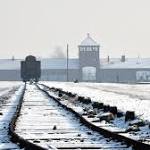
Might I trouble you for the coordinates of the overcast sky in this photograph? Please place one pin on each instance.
(41, 27)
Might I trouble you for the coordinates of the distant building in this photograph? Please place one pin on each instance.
(88, 67)
(89, 62)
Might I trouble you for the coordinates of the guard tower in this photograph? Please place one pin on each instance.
(89, 62)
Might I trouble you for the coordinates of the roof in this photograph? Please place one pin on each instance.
(57, 63)
(61, 63)
(130, 63)
(8, 64)
(88, 41)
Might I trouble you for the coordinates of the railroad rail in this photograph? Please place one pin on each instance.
(43, 123)
(68, 100)
(8, 106)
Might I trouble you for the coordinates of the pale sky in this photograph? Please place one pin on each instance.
(41, 27)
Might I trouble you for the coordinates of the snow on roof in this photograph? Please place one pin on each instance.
(8, 64)
(129, 63)
(88, 41)
(57, 63)
(61, 63)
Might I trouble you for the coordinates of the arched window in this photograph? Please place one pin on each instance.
(89, 73)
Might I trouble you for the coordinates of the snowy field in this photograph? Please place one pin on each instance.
(135, 97)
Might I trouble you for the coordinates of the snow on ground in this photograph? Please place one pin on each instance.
(5, 86)
(68, 132)
(124, 96)
(8, 102)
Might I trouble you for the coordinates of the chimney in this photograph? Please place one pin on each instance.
(108, 59)
(13, 58)
(123, 58)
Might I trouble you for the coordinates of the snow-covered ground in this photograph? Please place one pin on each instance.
(59, 128)
(5, 86)
(9, 99)
(124, 96)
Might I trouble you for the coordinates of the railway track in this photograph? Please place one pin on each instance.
(43, 120)
(8, 106)
(84, 108)
(43, 123)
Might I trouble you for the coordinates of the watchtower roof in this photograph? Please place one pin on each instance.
(88, 41)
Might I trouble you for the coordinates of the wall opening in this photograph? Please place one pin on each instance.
(89, 73)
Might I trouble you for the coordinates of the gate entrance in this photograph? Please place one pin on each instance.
(89, 73)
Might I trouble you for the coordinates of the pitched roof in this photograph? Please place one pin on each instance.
(55, 63)
(88, 41)
(61, 63)
(130, 63)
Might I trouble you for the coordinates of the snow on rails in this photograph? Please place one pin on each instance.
(43, 122)
(134, 131)
(8, 106)
(49, 118)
